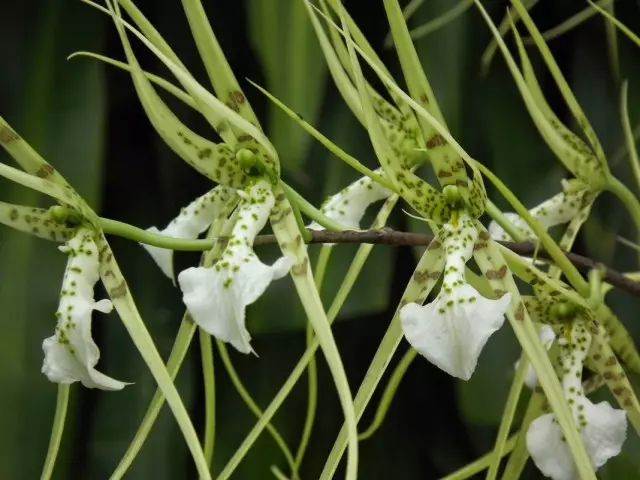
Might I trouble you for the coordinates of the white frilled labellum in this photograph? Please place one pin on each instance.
(217, 296)
(546, 336)
(559, 209)
(452, 330)
(602, 427)
(70, 355)
(194, 219)
(348, 206)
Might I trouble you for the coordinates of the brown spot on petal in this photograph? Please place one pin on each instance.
(7, 135)
(421, 277)
(119, 291)
(45, 171)
(300, 268)
(436, 141)
(610, 361)
(13, 215)
(434, 245)
(483, 236)
(238, 97)
(496, 274)
(520, 312)
(618, 391)
(444, 174)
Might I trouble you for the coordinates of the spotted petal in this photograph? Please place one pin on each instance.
(603, 436)
(70, 355)
(217, 296)
(194, 219)
(452, 335)
(348, 206)
(452, 330)
(559, 209)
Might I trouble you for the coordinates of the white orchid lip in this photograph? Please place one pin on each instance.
(348, 206)
(603, 428)
(217, 296)
(70, 355)
(452, 330)
(194, 219)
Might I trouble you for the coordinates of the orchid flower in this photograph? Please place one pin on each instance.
(452, 330)
(194, 219)
(70, 355)
(348, 206)
(546, 336)
(602, 427)
(559, 209)
(217, 296)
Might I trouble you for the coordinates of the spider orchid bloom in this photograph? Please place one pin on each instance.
(194, 219)
(348, 206)
(546, 336)
(217, 296)
(602, 427)
(70, 355)
(559, 209)
(452, 330)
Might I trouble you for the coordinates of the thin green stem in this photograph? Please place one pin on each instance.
(332, 147)
(495, 213)
(483, 462)
(277, 401)
(556, 253)
(114, 227)
(306, 234)
(389, 393)
(625, 195)
(628, 133)
(507, 416)
(277, 473)
(62, 402)
(440, 21)
(309, 210)
(312, 393)
(208, 377)
(178, 351)
(255, 409)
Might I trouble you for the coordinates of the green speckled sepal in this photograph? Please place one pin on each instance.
(34, 221)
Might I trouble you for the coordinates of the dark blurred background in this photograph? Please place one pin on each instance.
(85, 119)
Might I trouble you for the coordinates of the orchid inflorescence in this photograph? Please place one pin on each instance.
(563, 325)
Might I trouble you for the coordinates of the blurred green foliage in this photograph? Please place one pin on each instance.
(85, 119)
